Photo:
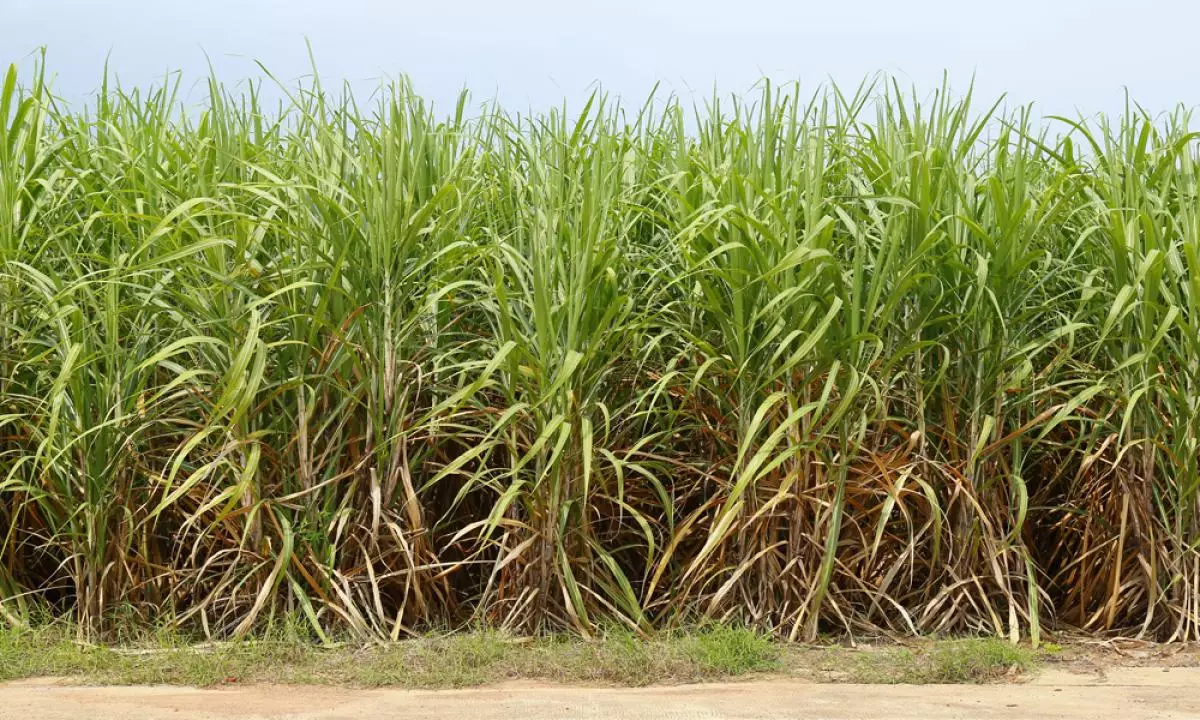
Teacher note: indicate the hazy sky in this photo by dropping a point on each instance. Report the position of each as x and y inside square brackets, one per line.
[1063, 54]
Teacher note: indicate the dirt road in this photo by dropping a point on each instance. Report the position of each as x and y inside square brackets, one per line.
[1123, 692]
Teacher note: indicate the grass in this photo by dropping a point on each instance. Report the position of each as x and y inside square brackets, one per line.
[946, 662]
[457, 660]
[480, 658]
[811, 362]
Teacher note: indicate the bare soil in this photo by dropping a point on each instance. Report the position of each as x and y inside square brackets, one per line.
[1068, 692]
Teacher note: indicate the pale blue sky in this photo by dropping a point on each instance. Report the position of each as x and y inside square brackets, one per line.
[1063, 54]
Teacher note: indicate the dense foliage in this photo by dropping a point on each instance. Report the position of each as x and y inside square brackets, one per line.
[846, 361]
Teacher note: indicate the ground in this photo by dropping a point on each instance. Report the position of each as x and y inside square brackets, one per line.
[1125, 692]
[713, 674]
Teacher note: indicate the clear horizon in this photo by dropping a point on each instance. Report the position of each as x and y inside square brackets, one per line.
[1068, 56]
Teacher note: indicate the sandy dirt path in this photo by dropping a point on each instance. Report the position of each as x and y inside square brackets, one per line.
[1123, 693]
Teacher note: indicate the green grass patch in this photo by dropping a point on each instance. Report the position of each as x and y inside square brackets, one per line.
[733, 651]
[486, 657]
[974, 660]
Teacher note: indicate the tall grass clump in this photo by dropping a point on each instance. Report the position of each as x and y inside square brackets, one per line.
[803, 363]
